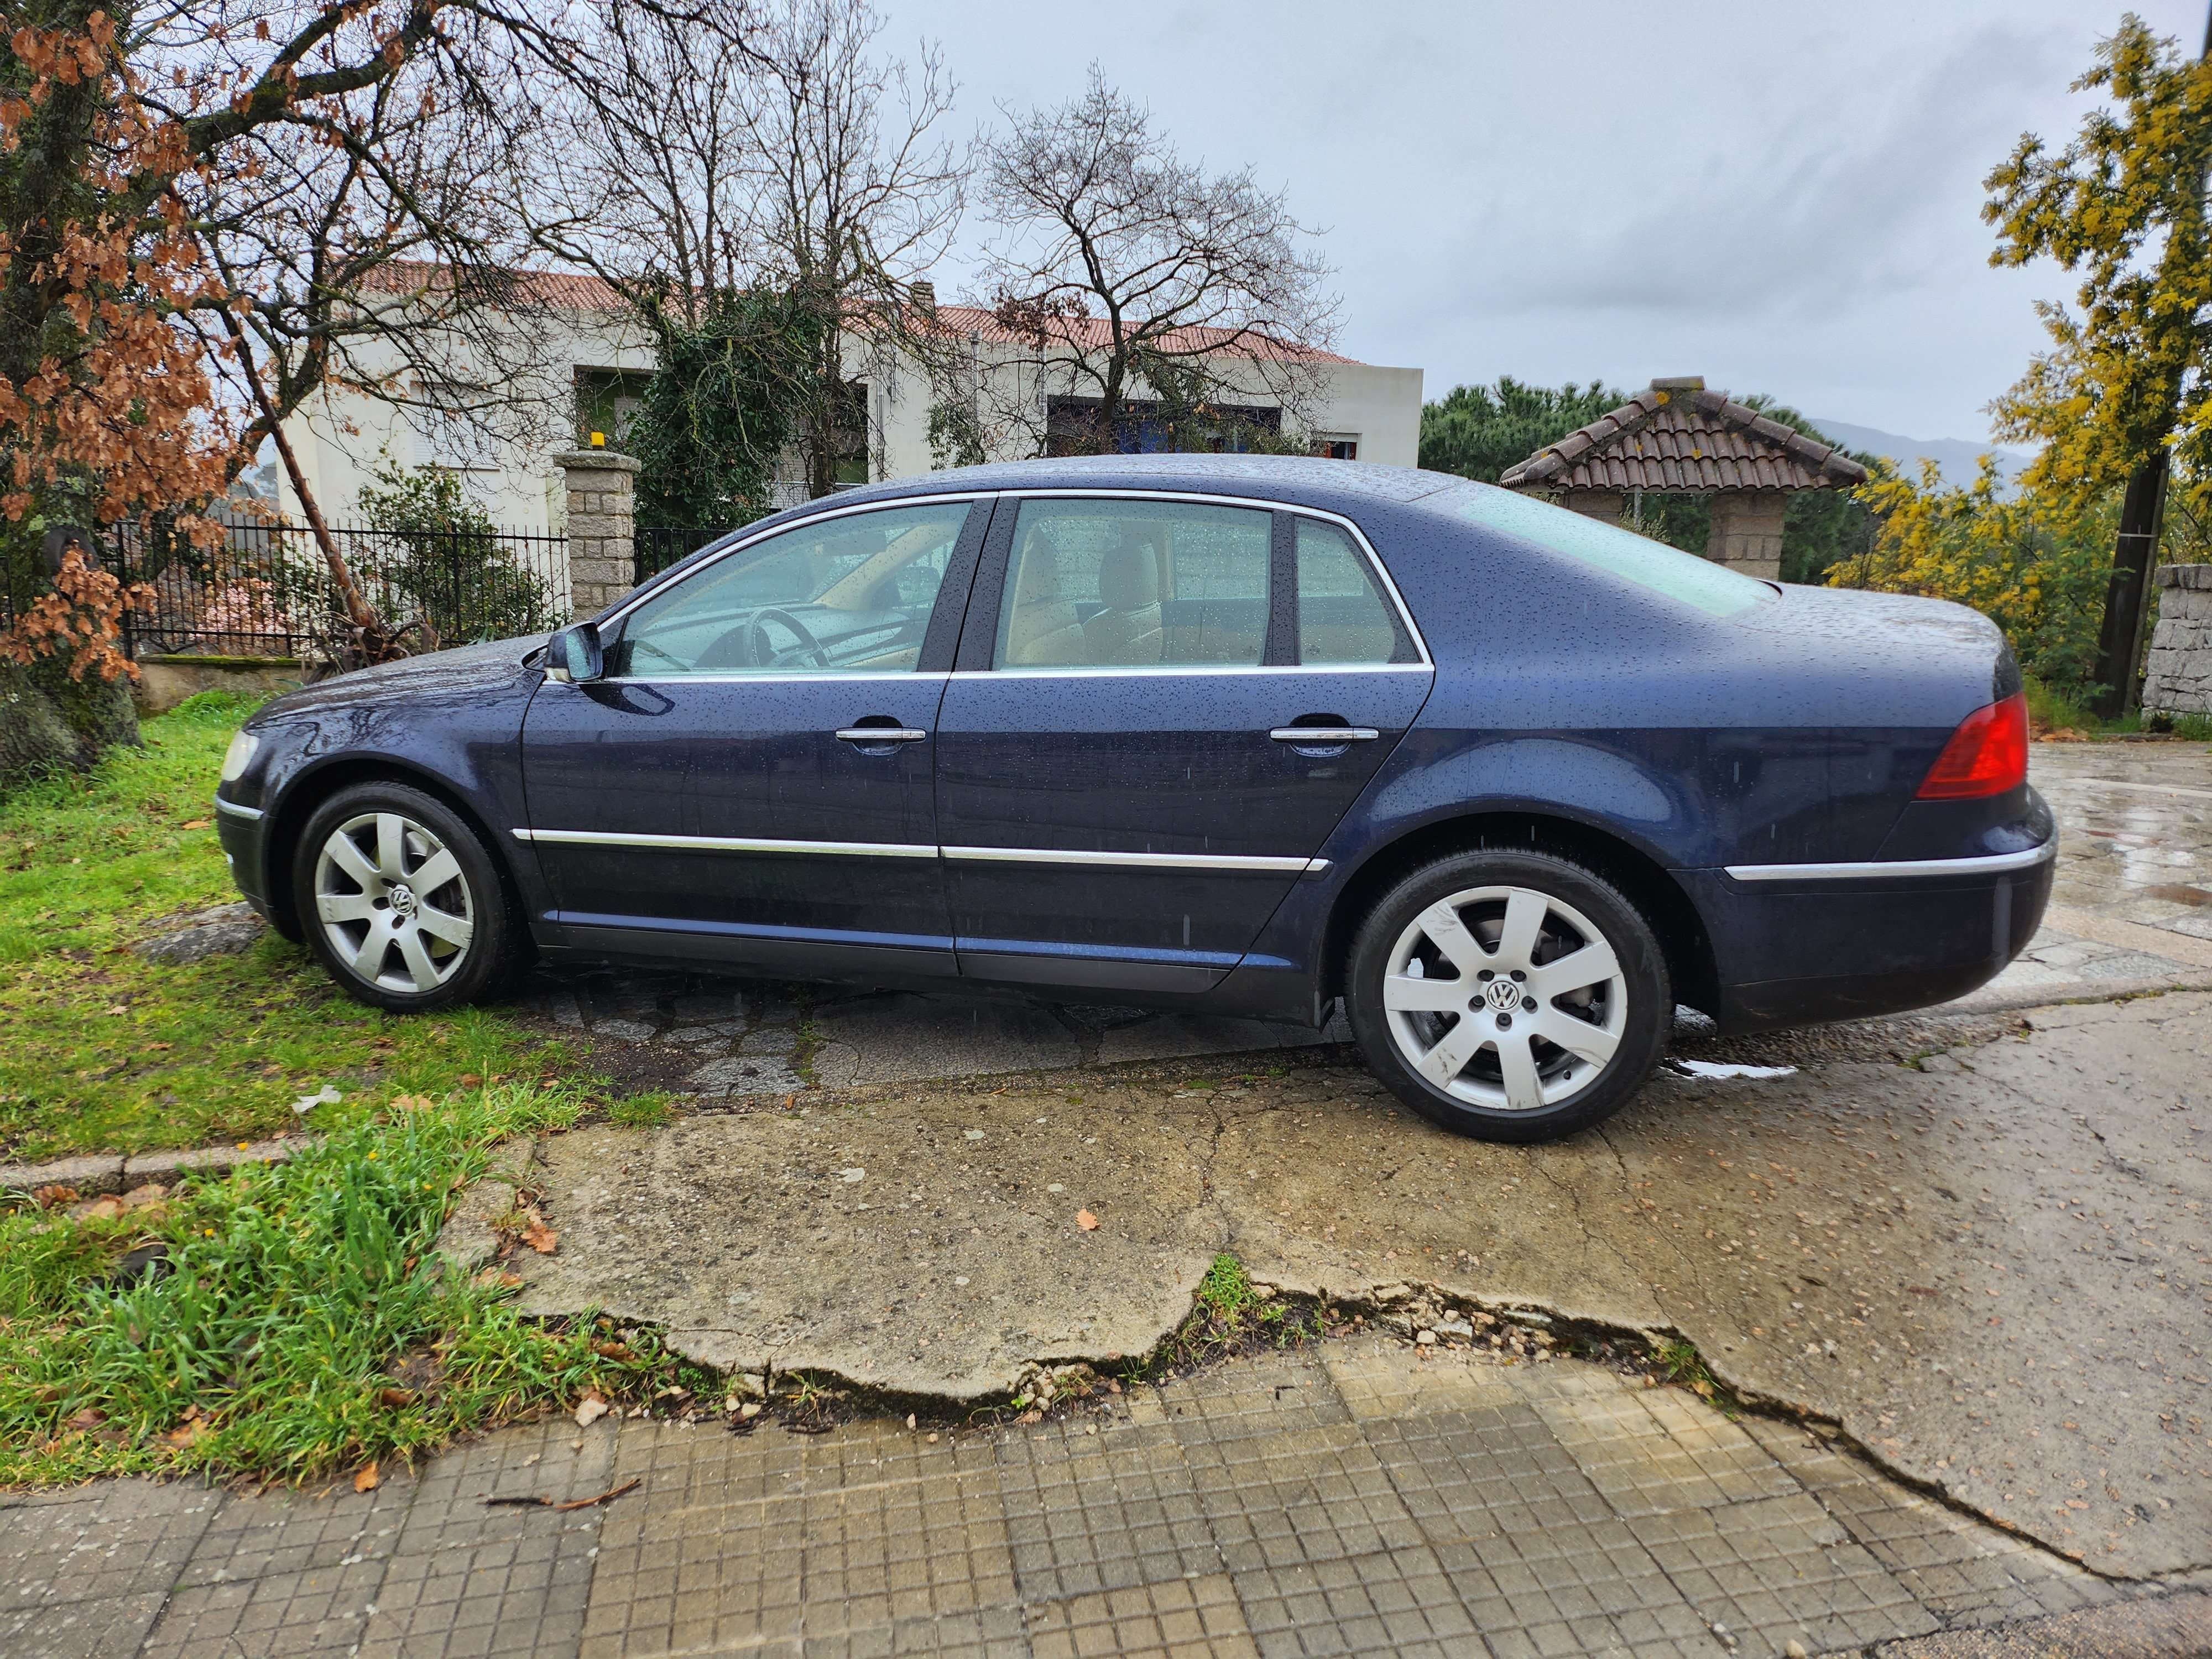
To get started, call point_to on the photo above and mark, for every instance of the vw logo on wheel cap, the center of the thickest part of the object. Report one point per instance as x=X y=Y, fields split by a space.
x=1503 y=994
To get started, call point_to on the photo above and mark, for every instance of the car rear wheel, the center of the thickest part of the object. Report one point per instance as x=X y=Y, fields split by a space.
x=1509 y=995
x=399 y=898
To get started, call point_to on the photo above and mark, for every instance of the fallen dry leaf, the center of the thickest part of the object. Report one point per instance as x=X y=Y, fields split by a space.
x=470 y=1080
x=412 y=1103
x=185 y=1433
x=1087 y=1221
x=46 y=1197
x=591 y=1408
x=541 y=1239
x=194 y=824
x=499 y=1277
x=396 y=1397
x=367 y=1479
x=90 y=1418
x=612 y=1351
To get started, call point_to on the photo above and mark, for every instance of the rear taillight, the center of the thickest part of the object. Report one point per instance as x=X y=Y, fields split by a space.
x=1986 y=755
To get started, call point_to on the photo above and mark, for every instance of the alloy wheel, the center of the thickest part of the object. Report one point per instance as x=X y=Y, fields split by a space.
x=1505 y=998
x=392 y=902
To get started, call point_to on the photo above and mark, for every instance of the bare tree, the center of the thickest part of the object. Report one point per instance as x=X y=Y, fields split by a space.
x=857 y=200
x=650 y=179
x=1123 y=272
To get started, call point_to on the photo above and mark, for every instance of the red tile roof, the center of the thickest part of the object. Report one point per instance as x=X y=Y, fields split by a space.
x=1684 y=440
x=576 y=291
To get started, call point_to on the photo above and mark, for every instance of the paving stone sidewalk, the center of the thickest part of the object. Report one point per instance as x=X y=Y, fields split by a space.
x=1358 y=1497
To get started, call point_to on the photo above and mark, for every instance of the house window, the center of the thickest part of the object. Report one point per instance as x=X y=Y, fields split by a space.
x=1077 y=426
x=1337 y=446
x=607 y=401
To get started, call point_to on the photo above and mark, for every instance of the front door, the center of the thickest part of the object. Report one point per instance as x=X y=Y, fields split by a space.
x=1162 y=708
x=751 y=782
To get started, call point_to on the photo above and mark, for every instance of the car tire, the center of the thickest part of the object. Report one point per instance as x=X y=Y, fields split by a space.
x=388 y=940
x=1480 y=1057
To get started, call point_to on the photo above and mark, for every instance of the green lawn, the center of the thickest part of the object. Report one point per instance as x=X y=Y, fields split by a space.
x=290 y=1320
x=106 y=1051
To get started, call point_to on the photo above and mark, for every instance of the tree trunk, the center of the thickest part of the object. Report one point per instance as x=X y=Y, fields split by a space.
x=2127 y=592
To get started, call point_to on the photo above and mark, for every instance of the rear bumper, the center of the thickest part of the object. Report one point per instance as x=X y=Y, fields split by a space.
x=1798 y=945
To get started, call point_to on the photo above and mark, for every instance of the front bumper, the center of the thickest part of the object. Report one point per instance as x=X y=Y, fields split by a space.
x=1829 y=942
x=243 y=831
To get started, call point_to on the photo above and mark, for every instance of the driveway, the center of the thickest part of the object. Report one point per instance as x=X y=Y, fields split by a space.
x=1973 y=1239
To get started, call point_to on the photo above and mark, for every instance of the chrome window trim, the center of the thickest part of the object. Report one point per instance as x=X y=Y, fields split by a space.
x=1206 y=498
x=901 y=675
x=249 y=813
x=881 y=849
x=1224 y=861
x=1877 y=869
x=1194 y=669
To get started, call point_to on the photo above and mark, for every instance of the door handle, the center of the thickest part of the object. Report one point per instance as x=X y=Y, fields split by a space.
x=869 y=734
x=1324 y=734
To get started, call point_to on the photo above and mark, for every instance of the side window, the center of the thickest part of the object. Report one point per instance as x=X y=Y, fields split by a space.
x=833 y=595
x=1107 y=584
x=1344 y=617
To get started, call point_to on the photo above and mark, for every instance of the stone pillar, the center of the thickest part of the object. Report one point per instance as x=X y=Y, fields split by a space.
x=2179 y=680
x=602 y=508
x=1604 y=504
x=1746 y=534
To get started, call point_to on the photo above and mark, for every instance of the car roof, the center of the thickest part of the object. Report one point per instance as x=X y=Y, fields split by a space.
x=1297 y=478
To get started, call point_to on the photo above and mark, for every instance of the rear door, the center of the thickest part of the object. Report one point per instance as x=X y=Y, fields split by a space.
x=1162 y=706
x=751 y=782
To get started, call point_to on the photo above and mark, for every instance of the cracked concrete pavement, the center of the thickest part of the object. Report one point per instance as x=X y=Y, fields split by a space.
x=1973 y=1239
x=1987 y=1266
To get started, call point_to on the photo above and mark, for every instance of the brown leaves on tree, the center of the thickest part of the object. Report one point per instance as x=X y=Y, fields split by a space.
x=82 y=619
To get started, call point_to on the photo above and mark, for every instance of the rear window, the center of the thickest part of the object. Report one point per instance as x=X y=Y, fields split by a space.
x=1712 y=588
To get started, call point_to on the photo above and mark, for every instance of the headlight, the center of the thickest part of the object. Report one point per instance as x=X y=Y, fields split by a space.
x=239 y=756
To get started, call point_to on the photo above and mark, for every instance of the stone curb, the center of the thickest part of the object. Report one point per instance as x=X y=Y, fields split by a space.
x=114 y=1172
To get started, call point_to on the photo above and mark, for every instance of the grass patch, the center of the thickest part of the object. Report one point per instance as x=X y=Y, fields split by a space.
x=2049 y=709
x=1229 y=1316
x=1680 y=1363
x=293 y=1321
x=106 y=1051
x=651 y=1109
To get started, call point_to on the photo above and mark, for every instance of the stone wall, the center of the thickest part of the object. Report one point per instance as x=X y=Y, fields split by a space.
x=165 y=682
x=602 y=521
x=2179 y=679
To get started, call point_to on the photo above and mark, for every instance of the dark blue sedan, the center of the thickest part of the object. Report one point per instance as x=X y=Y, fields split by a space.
x=1243 y=735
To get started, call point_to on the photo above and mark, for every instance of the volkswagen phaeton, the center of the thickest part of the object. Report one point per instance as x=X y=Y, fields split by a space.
x=1242 y=735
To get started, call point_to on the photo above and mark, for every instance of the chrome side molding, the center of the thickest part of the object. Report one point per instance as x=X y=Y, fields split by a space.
x=1892 y=869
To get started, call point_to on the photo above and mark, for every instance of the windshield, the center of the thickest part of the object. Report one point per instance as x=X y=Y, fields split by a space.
x=1712 y=588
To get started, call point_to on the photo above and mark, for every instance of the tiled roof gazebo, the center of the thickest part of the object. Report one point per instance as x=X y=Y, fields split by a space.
x=1675 y=438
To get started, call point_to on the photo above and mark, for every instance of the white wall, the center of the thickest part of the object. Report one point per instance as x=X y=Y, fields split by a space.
x=341 y=437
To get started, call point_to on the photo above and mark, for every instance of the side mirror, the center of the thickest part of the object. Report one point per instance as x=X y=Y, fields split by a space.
x=572 y=655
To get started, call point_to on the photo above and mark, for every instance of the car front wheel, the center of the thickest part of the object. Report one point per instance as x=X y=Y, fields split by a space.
x=1509 y=995
x=398 y=897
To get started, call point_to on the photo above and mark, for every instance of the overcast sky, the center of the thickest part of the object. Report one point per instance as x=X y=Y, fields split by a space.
x=1780 y=199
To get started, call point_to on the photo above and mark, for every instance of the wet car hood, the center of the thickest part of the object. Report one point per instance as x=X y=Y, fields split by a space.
x=465 y=672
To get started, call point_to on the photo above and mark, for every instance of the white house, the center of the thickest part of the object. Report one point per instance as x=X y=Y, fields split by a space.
x=576 y=360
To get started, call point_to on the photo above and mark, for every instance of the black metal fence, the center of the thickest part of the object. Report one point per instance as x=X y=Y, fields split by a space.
x=268 y=592
x=654 y=547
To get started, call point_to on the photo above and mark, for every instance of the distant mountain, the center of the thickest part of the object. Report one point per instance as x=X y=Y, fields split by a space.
x=1958 y=457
